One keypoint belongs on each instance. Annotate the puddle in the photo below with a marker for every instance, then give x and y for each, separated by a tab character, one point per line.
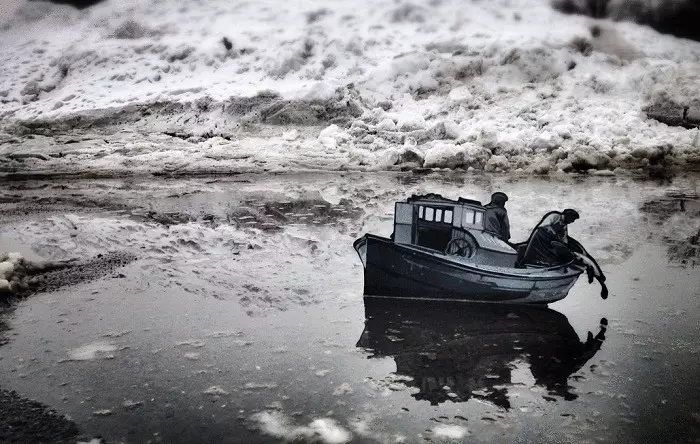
225	331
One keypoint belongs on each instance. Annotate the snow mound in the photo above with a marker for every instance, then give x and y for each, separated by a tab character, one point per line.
513	87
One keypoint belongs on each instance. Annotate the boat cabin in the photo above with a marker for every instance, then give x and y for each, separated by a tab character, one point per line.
450	227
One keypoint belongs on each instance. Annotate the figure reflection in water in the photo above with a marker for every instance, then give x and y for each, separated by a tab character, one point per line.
452	350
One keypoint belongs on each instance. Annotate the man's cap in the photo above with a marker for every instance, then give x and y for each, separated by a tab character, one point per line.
499	197
573	214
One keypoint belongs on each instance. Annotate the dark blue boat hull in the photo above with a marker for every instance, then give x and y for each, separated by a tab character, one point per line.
403	271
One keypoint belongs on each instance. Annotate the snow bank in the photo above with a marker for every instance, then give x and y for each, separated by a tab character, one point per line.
448	84
20	277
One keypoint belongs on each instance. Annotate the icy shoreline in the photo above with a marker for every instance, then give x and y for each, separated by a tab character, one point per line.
292	148
408	86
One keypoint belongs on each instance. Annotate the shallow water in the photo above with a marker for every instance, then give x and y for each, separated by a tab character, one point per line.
242	320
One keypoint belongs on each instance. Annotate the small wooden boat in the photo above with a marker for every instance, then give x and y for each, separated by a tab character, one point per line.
440	250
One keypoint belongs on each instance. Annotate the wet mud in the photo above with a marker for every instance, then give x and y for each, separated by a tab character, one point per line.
23	421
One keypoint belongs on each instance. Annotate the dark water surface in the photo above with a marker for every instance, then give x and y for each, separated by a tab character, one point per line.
242	320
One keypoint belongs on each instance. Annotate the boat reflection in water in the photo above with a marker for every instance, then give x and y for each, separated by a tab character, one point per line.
468	350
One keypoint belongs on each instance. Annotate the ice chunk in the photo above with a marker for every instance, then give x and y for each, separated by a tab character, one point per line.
290	135
386	125
496	163
14	257
450	431
6	269
444	155
215	390
461	94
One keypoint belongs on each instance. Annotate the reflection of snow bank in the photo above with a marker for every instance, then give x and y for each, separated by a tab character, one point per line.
453	85
323	430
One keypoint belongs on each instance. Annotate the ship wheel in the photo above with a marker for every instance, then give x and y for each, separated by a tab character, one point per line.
460	247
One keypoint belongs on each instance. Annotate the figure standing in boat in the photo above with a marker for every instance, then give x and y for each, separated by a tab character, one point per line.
496	216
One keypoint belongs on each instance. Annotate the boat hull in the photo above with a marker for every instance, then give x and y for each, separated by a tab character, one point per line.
403	271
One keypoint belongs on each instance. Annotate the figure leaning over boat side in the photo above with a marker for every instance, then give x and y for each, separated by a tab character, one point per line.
496	216
550	244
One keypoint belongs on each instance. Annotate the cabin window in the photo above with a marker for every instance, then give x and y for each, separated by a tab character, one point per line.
468	216
431	214
478	217
448	217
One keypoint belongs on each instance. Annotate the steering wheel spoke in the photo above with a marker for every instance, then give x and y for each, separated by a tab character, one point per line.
460	247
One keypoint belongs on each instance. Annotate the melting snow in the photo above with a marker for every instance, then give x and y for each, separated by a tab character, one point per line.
91	351
324	430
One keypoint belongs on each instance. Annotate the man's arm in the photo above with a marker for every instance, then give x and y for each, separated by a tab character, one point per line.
506	225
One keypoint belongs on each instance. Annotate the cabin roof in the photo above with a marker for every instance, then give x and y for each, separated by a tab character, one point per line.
436	198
